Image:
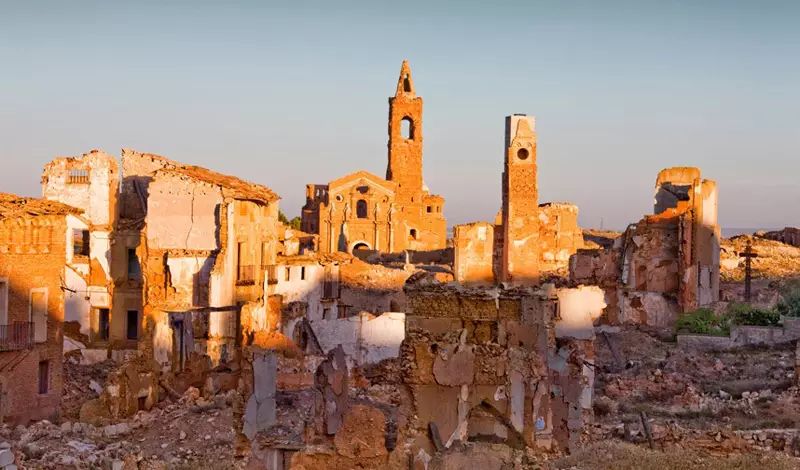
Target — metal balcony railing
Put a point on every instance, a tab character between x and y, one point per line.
246	275
18	335
78	177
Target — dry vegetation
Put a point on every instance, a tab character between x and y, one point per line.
614	455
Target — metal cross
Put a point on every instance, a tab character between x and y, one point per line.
748	254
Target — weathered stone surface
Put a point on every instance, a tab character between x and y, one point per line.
454	366
362	434
264	375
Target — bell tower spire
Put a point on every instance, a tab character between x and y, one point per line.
405	138
405	84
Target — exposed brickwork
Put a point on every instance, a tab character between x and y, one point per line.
32	259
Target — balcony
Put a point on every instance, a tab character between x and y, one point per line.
18	335
246	275
271	274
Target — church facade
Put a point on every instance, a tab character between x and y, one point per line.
364	211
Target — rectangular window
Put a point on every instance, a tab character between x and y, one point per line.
239	256
288	274
341	310
133	324
103	323
3	303
303	273
78	177
80	242
44	377
429	209
326	314
134	268
39	314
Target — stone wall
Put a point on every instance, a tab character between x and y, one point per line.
742	336
559	234
474	253
666	263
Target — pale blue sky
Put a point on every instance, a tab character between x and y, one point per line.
295	92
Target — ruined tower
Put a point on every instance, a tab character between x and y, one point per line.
520	260
405	138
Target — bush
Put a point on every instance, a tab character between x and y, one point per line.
744	314
789	305
703	321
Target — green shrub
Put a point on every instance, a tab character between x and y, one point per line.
703	321
789	305
744	314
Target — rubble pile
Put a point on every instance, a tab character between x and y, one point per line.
736	401
193	431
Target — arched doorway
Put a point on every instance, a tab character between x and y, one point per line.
360	246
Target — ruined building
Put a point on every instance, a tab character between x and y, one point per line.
167	255
365	211
91	184
449	368
666	263
34	248
526	236
475	366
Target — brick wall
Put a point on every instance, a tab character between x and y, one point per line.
32	256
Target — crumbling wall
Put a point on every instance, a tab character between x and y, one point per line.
132	387
666	263
559	234
364	338
90	183
484	365
474	253
182	213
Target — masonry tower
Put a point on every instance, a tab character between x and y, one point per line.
520	262
405	139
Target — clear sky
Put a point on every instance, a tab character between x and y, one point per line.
285	93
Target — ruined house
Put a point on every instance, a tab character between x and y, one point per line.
666	263
333	299
208	238
165	255
91	184
34	247
364	211
475	366
526	237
